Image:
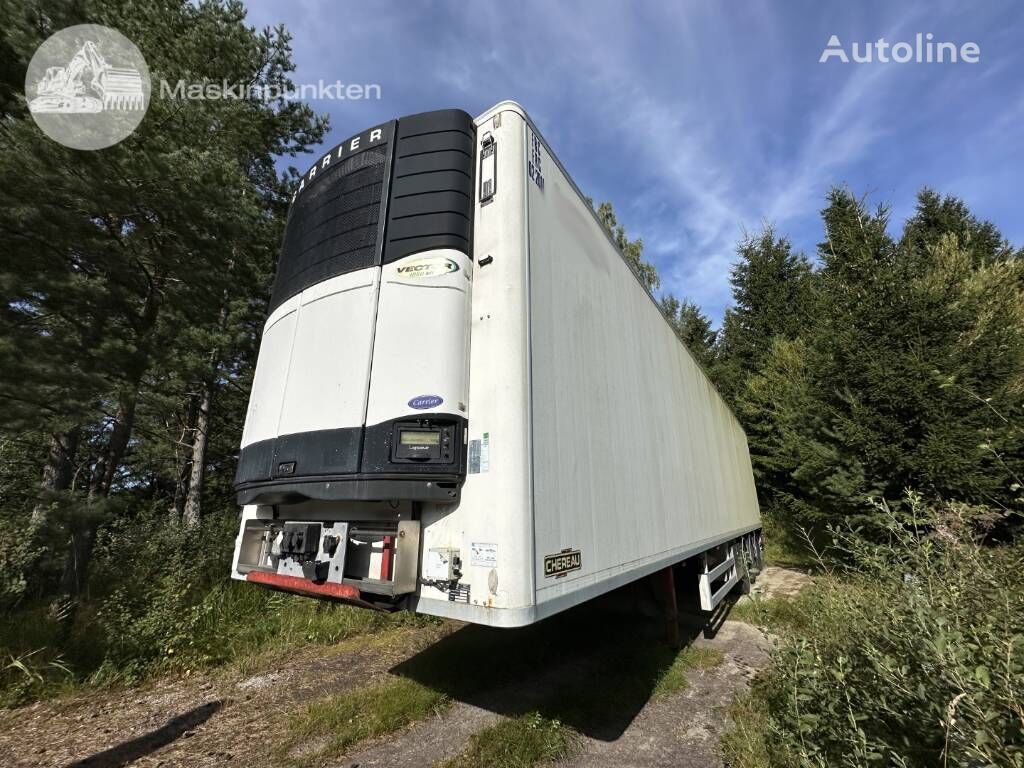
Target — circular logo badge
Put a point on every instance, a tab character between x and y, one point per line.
422	402
87	87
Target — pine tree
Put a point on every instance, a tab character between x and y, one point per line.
119	260
692	327
936	217
915	362
633	250
900	365
773	296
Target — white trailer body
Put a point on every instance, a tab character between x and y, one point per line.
485	416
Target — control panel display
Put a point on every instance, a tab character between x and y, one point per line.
423	442
419	438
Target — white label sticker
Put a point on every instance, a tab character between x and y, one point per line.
483	554
485	452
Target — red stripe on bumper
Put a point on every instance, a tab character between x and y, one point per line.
305	587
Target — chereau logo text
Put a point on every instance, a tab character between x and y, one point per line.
924	50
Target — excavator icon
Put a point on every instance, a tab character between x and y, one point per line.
64	89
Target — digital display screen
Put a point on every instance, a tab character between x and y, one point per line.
419	438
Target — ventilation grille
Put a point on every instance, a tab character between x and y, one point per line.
333	225
432	184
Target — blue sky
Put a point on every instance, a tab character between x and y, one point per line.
700	120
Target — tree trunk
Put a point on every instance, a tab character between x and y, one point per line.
57	473
85	524
110	456
193	504
200	439
83	528
185	473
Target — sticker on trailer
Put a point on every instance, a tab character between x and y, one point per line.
485	452
431	266
483	554
474	457
564	562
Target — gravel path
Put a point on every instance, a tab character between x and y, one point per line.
231	719
683	730
198	721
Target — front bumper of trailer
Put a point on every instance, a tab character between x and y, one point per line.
372	563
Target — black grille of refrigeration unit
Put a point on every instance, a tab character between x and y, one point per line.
432	185
334	225
419	170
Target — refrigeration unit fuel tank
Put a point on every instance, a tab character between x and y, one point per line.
465	403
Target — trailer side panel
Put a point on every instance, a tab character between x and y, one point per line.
637	460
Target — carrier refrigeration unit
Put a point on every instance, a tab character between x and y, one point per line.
466	404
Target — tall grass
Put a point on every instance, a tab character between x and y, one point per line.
908	653
160	600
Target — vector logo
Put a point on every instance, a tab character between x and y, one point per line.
431	266
87	87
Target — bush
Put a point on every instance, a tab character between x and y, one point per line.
910	653
160	599
176	608
150	580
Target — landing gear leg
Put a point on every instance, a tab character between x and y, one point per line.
665	589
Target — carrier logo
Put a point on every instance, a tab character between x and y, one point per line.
422	402
564	562
434	266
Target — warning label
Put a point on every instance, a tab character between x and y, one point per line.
483	554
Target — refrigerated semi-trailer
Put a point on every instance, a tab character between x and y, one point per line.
466	403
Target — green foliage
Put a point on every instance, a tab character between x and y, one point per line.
154	611
938	216
772	299
692	327
776	614
918	359
786	546
18	553
519	742
328	727
633	250
137	276
900	363
160	601
910	653
24	675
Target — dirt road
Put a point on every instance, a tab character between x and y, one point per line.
593	669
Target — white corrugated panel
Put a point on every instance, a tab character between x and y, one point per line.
636	457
